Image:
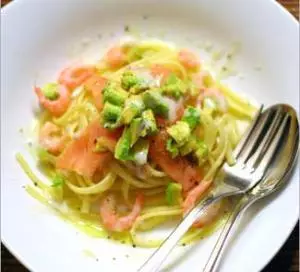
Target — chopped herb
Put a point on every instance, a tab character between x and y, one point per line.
180	132
58	180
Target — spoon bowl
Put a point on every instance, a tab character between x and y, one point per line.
275	179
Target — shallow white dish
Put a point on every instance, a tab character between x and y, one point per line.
38	38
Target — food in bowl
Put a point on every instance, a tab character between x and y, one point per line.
135	140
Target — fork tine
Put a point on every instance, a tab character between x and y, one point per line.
254	137
264	144
245	137
268	155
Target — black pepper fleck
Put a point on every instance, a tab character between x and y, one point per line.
126	28
114	258
133	245
229	56
145	17
35	184
97	260
183	244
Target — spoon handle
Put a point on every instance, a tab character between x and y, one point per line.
219	248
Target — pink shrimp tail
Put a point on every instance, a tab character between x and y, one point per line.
194	194
75	75
111	220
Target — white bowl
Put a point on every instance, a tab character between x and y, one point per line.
38	38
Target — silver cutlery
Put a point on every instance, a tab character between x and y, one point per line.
253	156
274	181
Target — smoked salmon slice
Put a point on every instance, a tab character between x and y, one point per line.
179	168
80	156
95	85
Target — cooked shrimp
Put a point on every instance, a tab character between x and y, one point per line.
111	220
194	195
75	75
58	106
115	57
210	214
52	138
202	80
188	59
160	70
216	95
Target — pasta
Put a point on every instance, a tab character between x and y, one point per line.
124	142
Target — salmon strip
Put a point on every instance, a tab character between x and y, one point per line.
179	168
79	155
95	86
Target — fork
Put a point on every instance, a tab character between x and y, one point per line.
253	156
272	182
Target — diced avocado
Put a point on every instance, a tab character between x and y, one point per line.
139	87
191	116
50	91
142	126
180	132
136	129
58	180
153	100
133	108
201	152
171	146
128	80
189	147
111	115
114	95
132	83
173	193
122	150
174	86
140	151
149	123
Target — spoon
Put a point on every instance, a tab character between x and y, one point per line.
275	180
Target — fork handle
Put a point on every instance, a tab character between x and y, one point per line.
157	258
219	248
